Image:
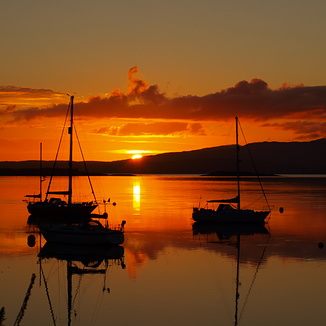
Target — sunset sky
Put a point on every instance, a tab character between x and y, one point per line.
154	76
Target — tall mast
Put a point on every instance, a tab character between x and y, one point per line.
70	132
41	178
69	290
237	294
238	160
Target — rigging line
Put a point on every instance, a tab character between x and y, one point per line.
254	166
57	154
85	165
98	304
255	276
48	296
209	259
24	305
255	201
89	154
77	290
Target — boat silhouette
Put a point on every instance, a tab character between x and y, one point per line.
57	208
230	210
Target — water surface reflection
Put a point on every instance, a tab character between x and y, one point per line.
185	272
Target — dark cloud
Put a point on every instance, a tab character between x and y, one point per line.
15	103
10	108
25	92
197	129
305	129
253	100
15	114
153	128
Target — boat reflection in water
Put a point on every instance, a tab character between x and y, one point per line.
232	234
80	260
91	232
225	231
84	254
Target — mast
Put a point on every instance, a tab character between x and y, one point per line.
238	160
237	294
41	178
69	289
70	132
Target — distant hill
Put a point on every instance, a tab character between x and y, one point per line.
269	158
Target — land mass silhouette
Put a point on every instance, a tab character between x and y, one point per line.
269	158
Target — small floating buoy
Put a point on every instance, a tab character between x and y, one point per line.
114	203
281	210
321	245
31	240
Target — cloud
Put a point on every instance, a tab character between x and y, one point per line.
23	103
24	96
153	129
252	100
9	91
305	129
11	112
197	129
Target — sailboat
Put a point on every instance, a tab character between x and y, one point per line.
56	208
76	225
226	212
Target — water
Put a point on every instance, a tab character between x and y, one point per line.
169	274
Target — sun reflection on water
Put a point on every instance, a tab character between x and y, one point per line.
136	196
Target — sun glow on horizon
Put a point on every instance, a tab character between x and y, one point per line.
136	156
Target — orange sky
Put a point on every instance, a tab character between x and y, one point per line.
159	76
117	124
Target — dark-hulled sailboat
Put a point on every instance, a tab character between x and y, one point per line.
226	212
57	209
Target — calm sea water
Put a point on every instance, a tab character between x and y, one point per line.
169	271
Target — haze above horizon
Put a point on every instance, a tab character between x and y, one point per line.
159	76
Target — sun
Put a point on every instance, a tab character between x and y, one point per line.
136	156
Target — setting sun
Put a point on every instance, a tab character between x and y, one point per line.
137	154
134	157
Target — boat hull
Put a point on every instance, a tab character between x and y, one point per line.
75	235
48	210
229	216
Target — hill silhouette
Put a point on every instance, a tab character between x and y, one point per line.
269	158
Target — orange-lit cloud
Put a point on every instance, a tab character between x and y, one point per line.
153	128
6	91
250	100
306	129
10	96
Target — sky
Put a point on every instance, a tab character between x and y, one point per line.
154	76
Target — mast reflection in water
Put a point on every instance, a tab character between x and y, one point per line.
80	261
231	234
172	276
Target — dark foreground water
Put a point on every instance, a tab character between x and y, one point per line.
169	271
